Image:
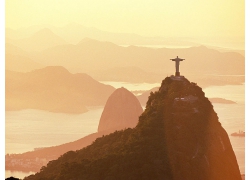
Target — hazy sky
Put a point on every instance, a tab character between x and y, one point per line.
189	18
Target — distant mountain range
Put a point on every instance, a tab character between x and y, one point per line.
92	55
16	59
74	32
20	63
54	89
41	40
127	74
105	60
221	100
105	55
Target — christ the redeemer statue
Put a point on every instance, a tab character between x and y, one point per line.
177	64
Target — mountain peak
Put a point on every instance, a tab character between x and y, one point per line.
45	32
95	42
48	36
84	40
55	89
122	110
201	47
52	70
178	137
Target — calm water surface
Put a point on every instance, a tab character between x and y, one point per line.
17	174
28	129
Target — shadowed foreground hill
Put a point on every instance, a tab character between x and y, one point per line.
54	89
144	97
178	137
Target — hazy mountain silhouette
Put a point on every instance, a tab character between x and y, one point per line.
18	60
74	32
13	34
15	50
134	74
127	74
54	89
22	33
109	58
221	101
106	55
39	41
122	110
178	137
20	63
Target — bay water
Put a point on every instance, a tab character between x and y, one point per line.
29	129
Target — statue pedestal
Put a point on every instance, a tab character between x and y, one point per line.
177	73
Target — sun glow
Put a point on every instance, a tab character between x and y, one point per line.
166	18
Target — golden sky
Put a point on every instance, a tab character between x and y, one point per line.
178	18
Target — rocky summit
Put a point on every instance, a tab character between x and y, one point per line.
122	110
178	137
197	144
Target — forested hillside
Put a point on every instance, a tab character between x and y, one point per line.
178	137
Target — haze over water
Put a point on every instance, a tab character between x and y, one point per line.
33	28
50	129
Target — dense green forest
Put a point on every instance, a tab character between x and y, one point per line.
171	141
